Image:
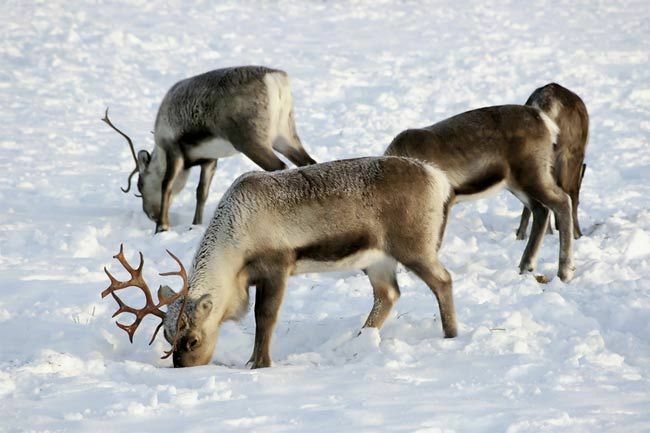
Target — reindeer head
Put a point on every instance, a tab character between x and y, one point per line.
194	340
183	322
149	177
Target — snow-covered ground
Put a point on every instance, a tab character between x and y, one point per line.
529	357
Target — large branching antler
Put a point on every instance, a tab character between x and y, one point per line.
150	307
106	120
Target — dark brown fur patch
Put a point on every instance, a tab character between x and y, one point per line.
481	181
334	248
195	137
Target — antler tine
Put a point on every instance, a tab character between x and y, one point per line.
128	187
106	120
168	352
141	265
180	273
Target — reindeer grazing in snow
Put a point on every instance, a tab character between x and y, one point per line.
570	114
210	116
509	146
366	213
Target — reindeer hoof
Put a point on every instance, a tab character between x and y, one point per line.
161	228
521	235
260	364
525	268
451	333
566	273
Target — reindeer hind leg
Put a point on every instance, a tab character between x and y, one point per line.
383	279
434	274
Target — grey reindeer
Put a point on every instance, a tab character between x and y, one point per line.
366	213
214	115
570	113
485	150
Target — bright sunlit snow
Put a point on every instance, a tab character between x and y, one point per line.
529	357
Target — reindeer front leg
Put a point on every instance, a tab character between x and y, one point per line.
268	299
174	167
202	191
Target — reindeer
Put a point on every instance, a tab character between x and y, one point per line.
366	213
484	150
210	116
570	114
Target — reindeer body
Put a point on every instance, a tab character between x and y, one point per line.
366	213
215	115
570	114
487	149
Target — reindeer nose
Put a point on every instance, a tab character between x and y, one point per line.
192	342
176	358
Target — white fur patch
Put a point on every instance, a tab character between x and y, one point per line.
280	104
552	127
523	197
443	186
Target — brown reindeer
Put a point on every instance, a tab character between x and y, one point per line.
570	114
485	150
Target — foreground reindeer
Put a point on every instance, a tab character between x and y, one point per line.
570	114
210	116
509	146
367	213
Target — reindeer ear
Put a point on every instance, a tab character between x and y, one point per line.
165	292
203	308
144	158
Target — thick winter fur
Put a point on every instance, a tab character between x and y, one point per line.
570	114
490	148
214	115
367	213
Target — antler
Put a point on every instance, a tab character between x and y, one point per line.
106	120
150	307
183	292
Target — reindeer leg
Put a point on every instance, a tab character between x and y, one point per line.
385	290
434	274
289	145
540	222
203	189
523	224
174	167
258	301
575	198
552	196
255	145
268	299
296	155
265	158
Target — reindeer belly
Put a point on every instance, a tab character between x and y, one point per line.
476	194
479	182
359	260
213	148
337	253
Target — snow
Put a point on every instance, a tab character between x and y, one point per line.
529	357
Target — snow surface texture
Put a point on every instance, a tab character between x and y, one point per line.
528	358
